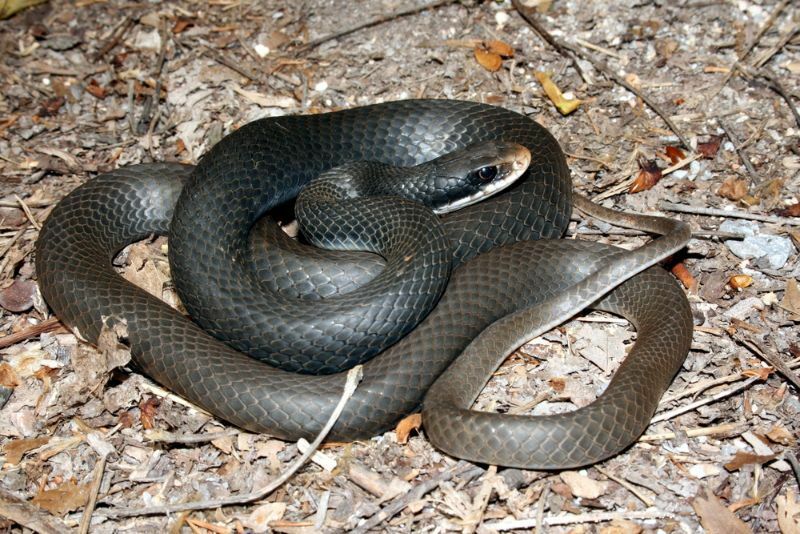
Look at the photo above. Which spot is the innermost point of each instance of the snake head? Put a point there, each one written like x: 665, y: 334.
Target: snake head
x: 476, y: 172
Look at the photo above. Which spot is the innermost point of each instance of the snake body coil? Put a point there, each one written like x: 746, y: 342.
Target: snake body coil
x: 264, y: 164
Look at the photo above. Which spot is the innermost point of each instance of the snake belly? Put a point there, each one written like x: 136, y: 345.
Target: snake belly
x: 93, y: 223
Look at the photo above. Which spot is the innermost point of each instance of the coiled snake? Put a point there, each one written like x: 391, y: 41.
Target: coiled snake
x: 264, y: 164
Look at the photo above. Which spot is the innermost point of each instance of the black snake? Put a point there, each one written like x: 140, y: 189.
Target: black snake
x: 264, y: 164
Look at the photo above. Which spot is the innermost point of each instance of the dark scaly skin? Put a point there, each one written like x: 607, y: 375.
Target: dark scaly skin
x: 89, y: 226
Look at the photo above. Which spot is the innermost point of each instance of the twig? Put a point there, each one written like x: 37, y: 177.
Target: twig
x: 765, y: 352
x: 572, y: 519
x: 28, y: 213
x: 97, y: 479
x: 11, y: 242
x: 247, y: 73
x: 116, y: 36
x: 528, y: 14
x: 713, y: 212
x: 764, y: 27
x: 28, y: 515
x: 169, y: 437
x: 415, y: 494
x: 754, y: 179
x: 791, y: 456
x: 726, y: 428
x: 627, y: 485
x: 776, y: 86
x: 702, y: 402
x: 45, y: 326
x: 767, y: 55
x: 353, y: 378
x: 374, y: 22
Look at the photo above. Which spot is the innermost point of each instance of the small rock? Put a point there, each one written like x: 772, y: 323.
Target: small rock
x: 775, y: 250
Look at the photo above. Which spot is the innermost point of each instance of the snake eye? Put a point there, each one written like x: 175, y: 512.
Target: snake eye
x: 487, y: 174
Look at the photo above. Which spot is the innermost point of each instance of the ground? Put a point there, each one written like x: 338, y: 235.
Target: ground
x: 91, y: 85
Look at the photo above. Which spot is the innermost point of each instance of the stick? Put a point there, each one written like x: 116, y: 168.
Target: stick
x: 713, y: 212
x: 628, y: 486
x: 47, y: 325
x: 571, y: 519
x: 754, y: 179
x: 353, y: 378
x: 765, y: 352
x: 702, y: 402
x: 415, y: 494
x: 528, y: 14
x: 374, y: 22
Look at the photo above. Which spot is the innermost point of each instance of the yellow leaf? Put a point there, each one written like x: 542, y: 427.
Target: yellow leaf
x: 9, y: 7
x: 564, y: 105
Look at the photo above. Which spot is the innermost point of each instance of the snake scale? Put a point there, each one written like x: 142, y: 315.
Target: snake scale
x: 521, y: 286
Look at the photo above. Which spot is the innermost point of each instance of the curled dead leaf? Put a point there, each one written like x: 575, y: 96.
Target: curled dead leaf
x: 488, y: 60
x: 790, y: 211
x: 649, y: 175
x: 148, y: 409
x: 710, y: 148
x: 715, y: 517
x: 741, y: 459
x: 733, y: 189
x: 740, y: 281
x: 405, y: 426
x: 64, y: 498
x: 564, y: 105
x: 682, y: 273
x: 674, y: 154
x: 500, y: 48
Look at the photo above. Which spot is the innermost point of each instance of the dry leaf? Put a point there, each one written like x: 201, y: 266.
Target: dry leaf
x: 649, y: 175
x: 94, y: 89
x: 733, y: 189
x: 621, y: 526
x: 266, y: 101
x: 747, y: 458
x: 488, y: 60
x: 682, y: 273
x: 404, y: 427
x: 788, y: 513
x: 500, y: 48
x: 791, y: 299
x: 8, y: 377
x: 715, y: 518
x: 564, y: 105
x: 14, y: 450
x: 18, y: 297
x: 758, y: 372
x: 779, y: 434
x: 710, y: 148
x: 260, y: 518
x: 674, y: 154
x: 739, y: 281
x: 583, y: 486
x: 181, y: 25
x: 147, y: 412
x: 64, y: 498
x: 558, y: 384
x: 9, y: 7
x: 790, y: 211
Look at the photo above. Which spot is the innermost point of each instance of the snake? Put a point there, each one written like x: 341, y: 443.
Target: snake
x: 512, y: 277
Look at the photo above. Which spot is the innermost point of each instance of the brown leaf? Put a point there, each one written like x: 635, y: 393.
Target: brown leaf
x: 739, y: 281
x: 682, y: 273
x: 404, y: 427
x: 15, y: 449
x: 745, y: 458
x: 558, y: 384
x: 674, y: 154
x: 488, y: 60
x: 8, y: 377
x: 710, y: 148
x: 649, y: 175
x: 18, y: 297
x: 733, y: 189
x: 621, y: 526
x: 148, y: 409
x: 94, y: 89
x: 181, y: 25
x: 758, y: 372
x: 790, y: 211
x: 51, y: 106
x: 791, y: 298
x: 500, y: 48
x: 65, y: 498
x: 779, y: 434
x: 715, y: 518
